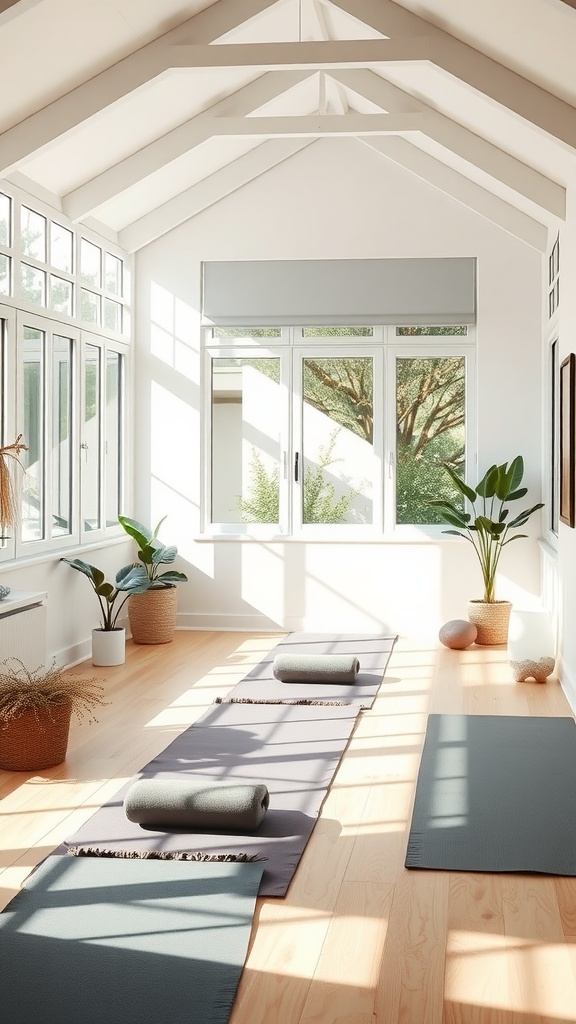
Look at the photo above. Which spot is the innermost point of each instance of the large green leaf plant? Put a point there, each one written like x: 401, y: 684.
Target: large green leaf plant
x: 131, y: 579
x: 152, y: 554
x: 488, y: 527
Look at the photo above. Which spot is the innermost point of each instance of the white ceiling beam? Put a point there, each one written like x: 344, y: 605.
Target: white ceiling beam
x: 462, y: 190
x: 540, y: 108
x: 10, y: 9
x: 96, y: 192
x: 137, y: 69
x: 524, y: 180
x: 311, y: 53
x: 378, y: 90
x: 209, y: 191
x: 150, y: 158
x: 313, y: 125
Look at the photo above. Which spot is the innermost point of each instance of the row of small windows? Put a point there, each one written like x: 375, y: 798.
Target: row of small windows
x: 55, y: 270
x: 460, y: 330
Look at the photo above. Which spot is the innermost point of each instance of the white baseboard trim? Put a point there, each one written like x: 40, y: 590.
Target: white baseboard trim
x: 74, y: 655
x: 568, y: 684
x: 228, y: 623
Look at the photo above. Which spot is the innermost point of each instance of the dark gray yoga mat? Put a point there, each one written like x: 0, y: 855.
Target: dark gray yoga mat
x: 496, y: 794
x: 373, y: 653
x: 293, y: 750
x: 88, y: 941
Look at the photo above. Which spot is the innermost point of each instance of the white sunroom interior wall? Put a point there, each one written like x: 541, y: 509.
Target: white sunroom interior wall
x: 338, y: 200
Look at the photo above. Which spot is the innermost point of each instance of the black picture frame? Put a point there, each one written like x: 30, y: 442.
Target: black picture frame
x: 567, y: 421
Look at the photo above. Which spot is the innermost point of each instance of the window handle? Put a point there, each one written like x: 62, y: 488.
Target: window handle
x: 391, y: 462
x: 296, y: 465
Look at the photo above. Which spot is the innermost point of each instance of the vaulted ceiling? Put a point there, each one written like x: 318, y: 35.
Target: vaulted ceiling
x: 133, y: 116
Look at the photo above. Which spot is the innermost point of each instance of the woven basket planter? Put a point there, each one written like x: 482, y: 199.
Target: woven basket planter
x: 152, y: 615
x: 31, y: 742
x: 491, y: 621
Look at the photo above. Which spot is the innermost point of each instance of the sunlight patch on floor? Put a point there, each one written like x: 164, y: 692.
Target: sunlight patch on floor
x: 510, y: 973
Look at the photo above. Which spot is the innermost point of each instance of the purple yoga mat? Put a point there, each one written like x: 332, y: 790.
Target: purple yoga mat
x: 294, y: 750
x: 373, y: 653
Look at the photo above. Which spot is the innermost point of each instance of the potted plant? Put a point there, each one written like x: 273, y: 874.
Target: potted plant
x: 488, y: 530
x: 152, y: 613
x: 35, y: 711
x: 109, y: 639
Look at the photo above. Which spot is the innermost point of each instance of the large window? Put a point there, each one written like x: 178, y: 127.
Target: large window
x: 46, y: 265
x: 335, y: 427
x: 64, y: 329
x: 68, y: 405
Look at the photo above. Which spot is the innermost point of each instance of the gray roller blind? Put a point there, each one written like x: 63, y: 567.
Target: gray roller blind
x: 348, y: 292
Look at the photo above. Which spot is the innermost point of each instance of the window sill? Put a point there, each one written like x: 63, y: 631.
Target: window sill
x: 405, y: 535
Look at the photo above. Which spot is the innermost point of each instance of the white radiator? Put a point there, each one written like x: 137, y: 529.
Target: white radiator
x: 23, y: 628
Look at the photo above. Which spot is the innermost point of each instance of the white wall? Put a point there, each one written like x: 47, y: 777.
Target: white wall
x: 72, y: 606
x: 336, y: 199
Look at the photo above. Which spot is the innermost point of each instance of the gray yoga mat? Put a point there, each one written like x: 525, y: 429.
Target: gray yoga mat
x: 373, y: 653
x: 496, y: 794
x: 293, y: 750
x: 88, y: 941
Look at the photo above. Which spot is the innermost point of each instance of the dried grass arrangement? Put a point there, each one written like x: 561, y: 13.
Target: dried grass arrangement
x: 24, y: 691
x: 35, y: 711
x: 8, y: 509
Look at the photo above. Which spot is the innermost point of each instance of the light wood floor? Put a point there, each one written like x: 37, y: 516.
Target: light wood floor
x: 358, y: 939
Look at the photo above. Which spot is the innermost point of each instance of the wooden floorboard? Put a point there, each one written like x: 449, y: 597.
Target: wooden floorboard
x: 358, y: 939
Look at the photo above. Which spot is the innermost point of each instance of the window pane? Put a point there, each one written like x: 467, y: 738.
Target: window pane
x: 33, y: 227
x: 5, y: 220
x: 246, y: 407
x: 5, y: 274
x: 411, y: 332
x: 90, y: 461
x: 89, y: 307
x: 112, y: 315
x: 338, y: 332
x: 90, y: 263
x: 246, y: 332
x: 337, y: 431
x: 33, y: 459
x: 113, y: 436
x: 61, y: 247
x: 60, y: 295
x: 430, y: 417
x: 61, y: 436
x: 33, y: 284
x: 113, y: 268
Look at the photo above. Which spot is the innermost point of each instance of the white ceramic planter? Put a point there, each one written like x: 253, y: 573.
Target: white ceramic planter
x: 108, y: 646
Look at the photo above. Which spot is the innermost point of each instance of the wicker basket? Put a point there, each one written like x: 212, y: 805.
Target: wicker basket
x: 491, y: 620
x: 152, y: 616
x: 29, y: 742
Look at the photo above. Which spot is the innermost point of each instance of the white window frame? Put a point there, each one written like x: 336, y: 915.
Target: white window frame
x: 8, y: 431
x: 384, y: 347
x: 29, y: 548
x: 411, y: 350
x: 104, y: 346
x: 260, y: 531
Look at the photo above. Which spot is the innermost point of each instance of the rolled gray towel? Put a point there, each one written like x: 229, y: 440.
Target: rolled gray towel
x: 180, y: 803
x: 316, y: 668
